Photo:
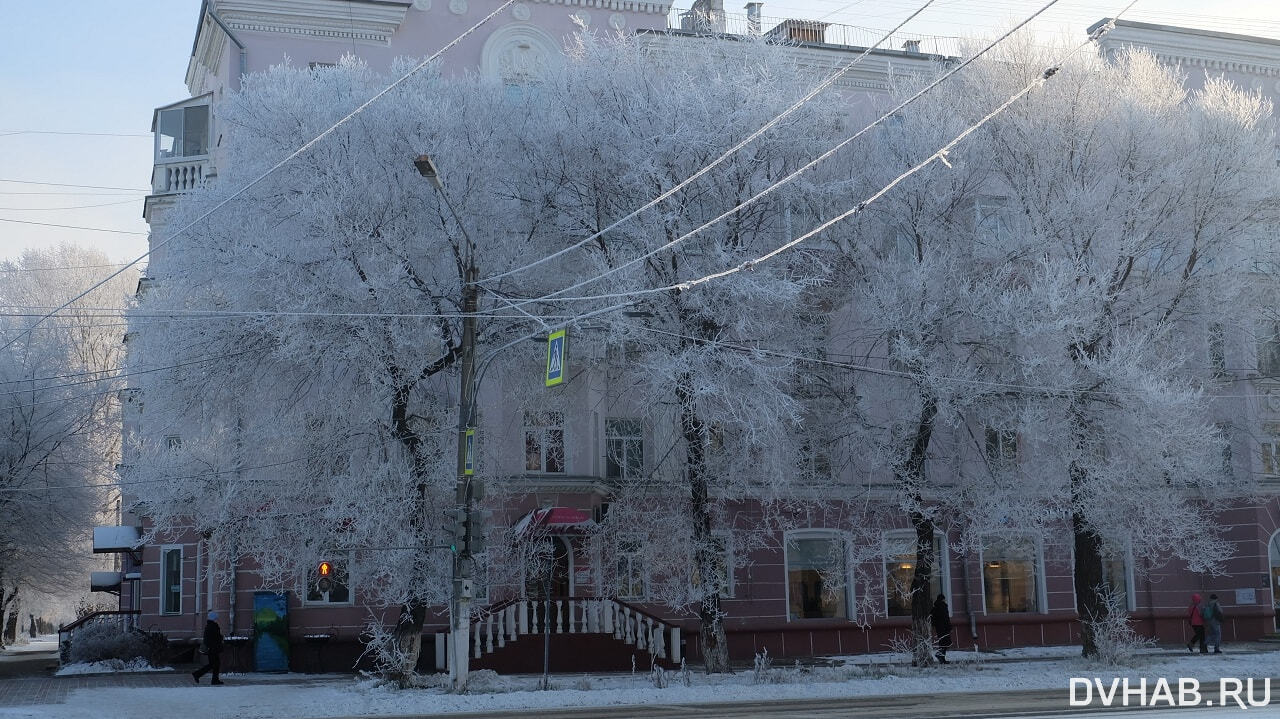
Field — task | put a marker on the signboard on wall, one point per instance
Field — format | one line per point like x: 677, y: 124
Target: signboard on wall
x: 1246, y: 596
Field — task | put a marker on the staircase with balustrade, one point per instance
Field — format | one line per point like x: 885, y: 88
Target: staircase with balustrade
x: 583, y: 634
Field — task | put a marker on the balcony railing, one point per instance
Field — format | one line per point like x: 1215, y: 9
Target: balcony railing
x: 179, y: 175
x: 810, y: 31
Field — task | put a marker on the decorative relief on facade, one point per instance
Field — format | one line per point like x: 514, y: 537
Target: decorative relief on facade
x: 617, y: 21
x: 520, y: 11
x: 423, y: 5
x: 367, y: 22
x: 518, y: 54
x: 458, y: 7
x: 636, y: 6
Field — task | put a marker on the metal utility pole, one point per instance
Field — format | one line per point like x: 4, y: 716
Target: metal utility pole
x: 464, y: 495
x: 468, y: 529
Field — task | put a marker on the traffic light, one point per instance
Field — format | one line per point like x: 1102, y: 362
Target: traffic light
x: 458, y: 530
x: 476, y: 530
x: 325, y: 574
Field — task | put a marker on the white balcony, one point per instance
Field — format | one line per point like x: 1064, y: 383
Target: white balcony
x: 181, y: 146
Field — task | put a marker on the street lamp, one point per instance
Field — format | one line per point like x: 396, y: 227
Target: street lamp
x: 427, y: 169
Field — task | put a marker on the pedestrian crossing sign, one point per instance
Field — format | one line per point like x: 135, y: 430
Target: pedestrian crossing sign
x: 469, y: 459
x: 556, y: 355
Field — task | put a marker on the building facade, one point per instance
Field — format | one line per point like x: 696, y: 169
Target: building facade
x: 1006, y: 593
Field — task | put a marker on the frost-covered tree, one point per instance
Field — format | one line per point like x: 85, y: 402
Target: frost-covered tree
x: 722, y: 422
x: 1041, y: 304
x: 58, y: 405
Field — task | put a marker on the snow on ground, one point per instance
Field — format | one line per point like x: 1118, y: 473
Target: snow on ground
x: 110, y: 666
x: 347, y: 696
x: 961, y: 655
x: 44, y: 643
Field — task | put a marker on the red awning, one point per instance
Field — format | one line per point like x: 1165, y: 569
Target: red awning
x: 557, y: 519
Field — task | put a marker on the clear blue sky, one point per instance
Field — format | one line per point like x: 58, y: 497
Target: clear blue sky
x: 84, y: 66
x: 102, y: 66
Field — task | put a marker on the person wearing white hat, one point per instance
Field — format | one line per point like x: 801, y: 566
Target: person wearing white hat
x: 213, y: 649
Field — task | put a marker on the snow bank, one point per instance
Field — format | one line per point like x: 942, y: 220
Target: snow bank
x: 110, y: 666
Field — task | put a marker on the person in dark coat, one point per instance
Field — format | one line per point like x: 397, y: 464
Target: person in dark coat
x: 941, y: 618
x: 213, y: 649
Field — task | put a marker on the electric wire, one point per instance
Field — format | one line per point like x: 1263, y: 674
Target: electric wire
x: 65, y: 184
x: 74, y: 227
x: 555, y: 296
x: 306, y: 146
x: 814, y: 92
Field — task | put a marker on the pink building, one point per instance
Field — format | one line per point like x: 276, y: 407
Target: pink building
x: 1006, y: 594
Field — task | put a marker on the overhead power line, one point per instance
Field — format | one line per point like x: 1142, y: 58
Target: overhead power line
x: 64, y: 184
x: 6, y: 133
x: 306, y: 146
x: 555, y: 296
x: 72, y: 207
x: 75, y: 227
x: 818, y: 89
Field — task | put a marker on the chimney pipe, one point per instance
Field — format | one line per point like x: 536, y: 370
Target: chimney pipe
x: 753, y: 18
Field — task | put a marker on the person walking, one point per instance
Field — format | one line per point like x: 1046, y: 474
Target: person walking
x: 213, y: 649
x: 1212, y: 615
x: 941, y: 618
x: 1195, y: 617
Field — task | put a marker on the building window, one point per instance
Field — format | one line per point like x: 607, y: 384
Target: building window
x: 1116, y: 579
x: 173, y: 443
x: 1269, y: 350
x: 183, y: 132
x: 989, y: 221
x: 1002, y: 448
x: 171, y: 580
x: 1217, y: 350
x: 544, y: 441
x: 624, y: 448
x: 630, y: 570
x: 1270, y: 446
x: 1010, y: 576
x: 333, y: 589
x: 900, y: 567
x: 816, y: 577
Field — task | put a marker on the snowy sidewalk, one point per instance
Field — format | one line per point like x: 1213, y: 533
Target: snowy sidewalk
x: 297, y: 696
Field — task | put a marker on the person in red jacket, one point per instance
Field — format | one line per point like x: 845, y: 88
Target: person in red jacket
x: 1195, y: 616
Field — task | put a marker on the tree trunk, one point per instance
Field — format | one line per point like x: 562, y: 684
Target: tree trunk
x: 922, y: 649
x: 408, y: 640
x: 715, y: 648
x: 408, y: 632
x: 1087, y: 574
x: 911, y: 478
x: 11, y: 623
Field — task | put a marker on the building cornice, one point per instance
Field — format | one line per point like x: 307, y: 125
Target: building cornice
x: 635, y: 6
x: 1192, y: 48
x: 364, y: 21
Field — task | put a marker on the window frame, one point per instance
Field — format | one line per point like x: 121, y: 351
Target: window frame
x: 848, y: 588
x: 943, y: 561
x: 180, y: 140
x: 165, y: 579
x: 543, y: 432
x: 632, y: 557
x: 1125, y: 559
x: 1037, y: 549
x: 624, y: 439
